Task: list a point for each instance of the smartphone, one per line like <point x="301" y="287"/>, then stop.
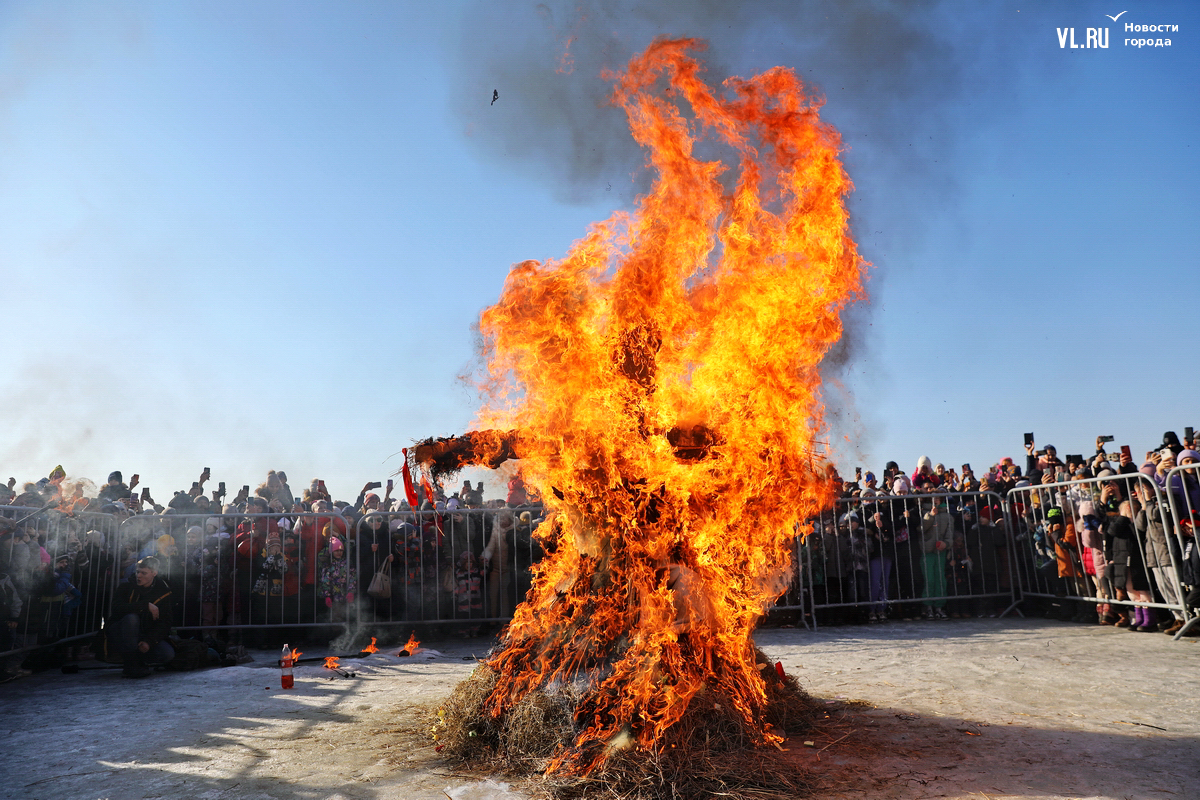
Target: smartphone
<point x="374" y="485"/>
<point x="1106" y="438"/>
<point x="966" y="468"/>
<point x="858" y="473"/>
<point x="1189" y="434"/>
<point x="391" y="485"/>
<point x="1028" y="439"/>
<point x="321" y="485"/>
<point x="246" y="490"/>
<point x="1061" y="476"/>
<point x="207" y="471"/>
<point x="1125" y="451"/>
<point x="221" y="488"/>
<point x="145" y="493"/>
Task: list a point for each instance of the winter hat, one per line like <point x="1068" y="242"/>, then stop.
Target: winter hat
<point x="335" y="544"/>
<point x="1105" y="473"/>
<point x="1186" y="454"/>
<point x="115" y="475"/>
<point x="63" y="557"/>
<point x="196" y="529"/>
<point x="901" y="484"/>
<point x="1148" y="469"/>
<point x="58" y="473"/>
<point x="1054" y="515"/>
<point x="924" y="461"/>
<point x="1021" y="483"/>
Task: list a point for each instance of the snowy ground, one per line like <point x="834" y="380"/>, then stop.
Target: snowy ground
<point x="966" y="708"/>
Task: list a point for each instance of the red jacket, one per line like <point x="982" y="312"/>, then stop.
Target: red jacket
<point x="251" y="537"/>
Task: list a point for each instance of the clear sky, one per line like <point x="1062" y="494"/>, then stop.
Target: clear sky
<point x="258" y="235"/>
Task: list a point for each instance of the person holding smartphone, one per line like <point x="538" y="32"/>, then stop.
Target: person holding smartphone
<point x="1038" y="463"/>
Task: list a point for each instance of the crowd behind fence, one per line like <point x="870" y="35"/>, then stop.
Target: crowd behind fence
<point x="1089" y="542"/>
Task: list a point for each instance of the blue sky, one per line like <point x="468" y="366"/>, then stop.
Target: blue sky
<point x="256" y="236"/>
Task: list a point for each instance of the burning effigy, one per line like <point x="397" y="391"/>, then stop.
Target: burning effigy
<point x="660" y="387"/>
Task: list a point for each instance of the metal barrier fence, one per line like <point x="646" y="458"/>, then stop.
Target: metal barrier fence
<point x="1114" y="548"/>
<point x="50" y="604"/>
<point x="927" y="555"/>
<point x="462" y="568"/>
<point x="1183" y="493"/>
<point x="931" y="555"/>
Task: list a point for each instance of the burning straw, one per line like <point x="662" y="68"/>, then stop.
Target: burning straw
<point x="661" y="388"/>
<point x="708" y="752"/>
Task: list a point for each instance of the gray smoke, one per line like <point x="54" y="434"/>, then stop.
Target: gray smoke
<point x="875" y="62"/>
<point x="885" y="70"/>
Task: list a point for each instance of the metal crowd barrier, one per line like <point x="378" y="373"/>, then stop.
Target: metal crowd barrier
<point x="466" y="567"/>
<point x="461" y="568"/>
<point x="1118" y="548"/>
<point x="245" y="571"/>
<point x="876" y="558"/>
<point x="54" y="608"/>
<point x="1183" y="493"/>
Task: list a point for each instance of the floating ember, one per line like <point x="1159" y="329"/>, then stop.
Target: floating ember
<point x="371" y="648"/>
<point x="410" y="648"/>
<point x="660" y="387"/>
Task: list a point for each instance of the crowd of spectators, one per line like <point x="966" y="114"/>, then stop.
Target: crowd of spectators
<point x="265" y="557"/>
<point x="274" y="557"/>
<point x="888" y="551"/>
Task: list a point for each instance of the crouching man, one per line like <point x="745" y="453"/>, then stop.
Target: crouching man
<point x="141" y="620"/>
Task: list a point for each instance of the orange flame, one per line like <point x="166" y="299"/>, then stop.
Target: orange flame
<point x="331" y="662"/>
<point x="296" y="655"/>
<point x="371" y="648"/>
<point x="411" y="646"/>
<point x="663" y="378"/>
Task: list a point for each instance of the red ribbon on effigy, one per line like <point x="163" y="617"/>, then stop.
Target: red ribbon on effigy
<point x="410" y="491"/>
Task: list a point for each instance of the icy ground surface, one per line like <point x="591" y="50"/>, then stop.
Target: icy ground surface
<point x="961" y="709"/>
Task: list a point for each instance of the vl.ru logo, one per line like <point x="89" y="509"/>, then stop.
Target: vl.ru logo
<point x="1095" y="37"/>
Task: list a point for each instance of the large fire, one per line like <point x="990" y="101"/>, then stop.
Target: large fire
<point x="660" y="387"/>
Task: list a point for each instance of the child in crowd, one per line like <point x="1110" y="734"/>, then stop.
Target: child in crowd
<point x="337" y="580"/>
<point x="272" y="568"/>
<point x="64" y="586"/>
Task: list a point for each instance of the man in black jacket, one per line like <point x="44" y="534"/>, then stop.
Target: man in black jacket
<point x="141" y="620"/>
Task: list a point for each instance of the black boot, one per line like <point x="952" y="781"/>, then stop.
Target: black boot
<point x="135" y="667"/>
